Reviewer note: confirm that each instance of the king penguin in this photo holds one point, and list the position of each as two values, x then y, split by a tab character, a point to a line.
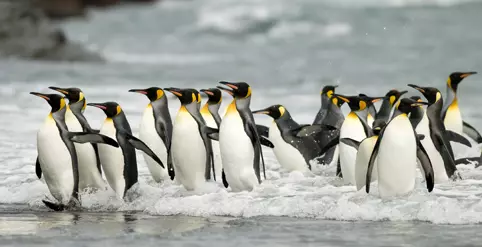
365	149
210	113
155	131
437	138
451	112
57	157
294	148
326	94
391	98
120	164
192	156
395	153
239	141
90	172
417	114
354	127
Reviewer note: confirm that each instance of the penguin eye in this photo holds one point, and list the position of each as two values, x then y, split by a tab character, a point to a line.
160	93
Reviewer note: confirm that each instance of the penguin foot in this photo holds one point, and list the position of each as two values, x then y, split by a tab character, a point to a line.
53	206
456	176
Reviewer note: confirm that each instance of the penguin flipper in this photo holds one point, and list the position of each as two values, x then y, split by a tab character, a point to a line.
38	169
455	137
447	155
426	166
84	137
212	133
333	142
472	132
420	136
262	130
170	167
338	168
97	157
350	142
140	145
53	206
225	182
371	163
265	142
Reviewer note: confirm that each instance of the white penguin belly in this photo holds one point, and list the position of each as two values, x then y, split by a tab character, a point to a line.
55	161
288	156
237	152
351	128
440	174
89	175
112	160
453	119
218	165
361	163
148	134
188	151
397	158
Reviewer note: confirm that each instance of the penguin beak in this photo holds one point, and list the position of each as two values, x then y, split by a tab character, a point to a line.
344	98
262	111
41	95
141	91
419	103
376	99
175	91
231	92
229	84
98	105
468	74
60	90
403	92
207	92
420	89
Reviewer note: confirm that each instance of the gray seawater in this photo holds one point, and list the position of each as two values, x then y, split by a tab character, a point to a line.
287	50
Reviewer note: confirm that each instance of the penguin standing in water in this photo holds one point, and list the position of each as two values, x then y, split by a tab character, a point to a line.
239	141
90	172
191	149
365	149
451	115
156	132
210	113
354	127
395	153
294	147
57	157
387	104
326	94
120	164
437	138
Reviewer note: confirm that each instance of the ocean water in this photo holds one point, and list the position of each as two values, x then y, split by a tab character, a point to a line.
287	50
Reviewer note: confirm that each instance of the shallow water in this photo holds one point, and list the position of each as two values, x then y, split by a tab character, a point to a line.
287	50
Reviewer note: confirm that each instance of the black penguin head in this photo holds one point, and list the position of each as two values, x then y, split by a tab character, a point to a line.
73	94
406	105
431	94
456	77
393	95
185	95
354	102
153	93
274	111
56	101
378	126
239	90
328	90
214	95
337	101
111	109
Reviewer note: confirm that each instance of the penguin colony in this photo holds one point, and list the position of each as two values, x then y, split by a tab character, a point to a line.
198	145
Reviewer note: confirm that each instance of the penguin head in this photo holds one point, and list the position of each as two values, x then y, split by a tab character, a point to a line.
274	111
354	102
406	105
239	90
185	95
431	94
73	94
456	77
111	109
370	100
153	93
328	90
214	95
337	101
393	95
378	125
56	101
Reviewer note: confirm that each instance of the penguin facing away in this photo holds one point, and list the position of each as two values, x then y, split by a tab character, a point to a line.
326	94
155	131
120	164
396	151
391	98
438	137
294	147
239	141
191	150
57	157
451	115
90	172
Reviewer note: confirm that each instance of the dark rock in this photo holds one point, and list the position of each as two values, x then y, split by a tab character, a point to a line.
26	32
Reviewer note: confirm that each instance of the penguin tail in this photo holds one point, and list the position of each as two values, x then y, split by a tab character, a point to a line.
53	206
